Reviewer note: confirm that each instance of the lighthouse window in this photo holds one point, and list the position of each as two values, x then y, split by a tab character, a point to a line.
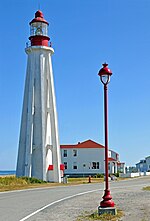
32	30
38	31
39	28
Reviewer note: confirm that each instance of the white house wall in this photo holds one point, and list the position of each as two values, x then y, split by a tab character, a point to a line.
83	160
113	155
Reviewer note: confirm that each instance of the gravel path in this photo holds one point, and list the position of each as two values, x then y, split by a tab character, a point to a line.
134	202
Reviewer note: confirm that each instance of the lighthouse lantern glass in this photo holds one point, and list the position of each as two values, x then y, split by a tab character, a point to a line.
39	28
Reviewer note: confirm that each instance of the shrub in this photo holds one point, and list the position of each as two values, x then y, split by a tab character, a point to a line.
32	180
117	174
99	175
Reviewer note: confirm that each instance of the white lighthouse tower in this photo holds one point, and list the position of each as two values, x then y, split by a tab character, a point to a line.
39	149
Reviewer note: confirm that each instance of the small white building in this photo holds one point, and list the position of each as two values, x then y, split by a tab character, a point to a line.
114	164
87	158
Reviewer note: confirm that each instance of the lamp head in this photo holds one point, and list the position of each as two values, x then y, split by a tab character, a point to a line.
105	74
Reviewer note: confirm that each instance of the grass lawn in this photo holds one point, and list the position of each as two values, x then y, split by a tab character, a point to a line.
13	183
146	188
94	216
8	183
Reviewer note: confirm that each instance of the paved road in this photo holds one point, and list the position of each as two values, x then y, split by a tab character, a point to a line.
38	203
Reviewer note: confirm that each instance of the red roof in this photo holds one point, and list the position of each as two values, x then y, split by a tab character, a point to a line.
39	18
85	144
119	163
111	159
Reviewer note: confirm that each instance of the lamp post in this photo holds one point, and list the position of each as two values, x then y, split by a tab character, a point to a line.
105	74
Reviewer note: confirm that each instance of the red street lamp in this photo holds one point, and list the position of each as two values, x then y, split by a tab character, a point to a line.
105	74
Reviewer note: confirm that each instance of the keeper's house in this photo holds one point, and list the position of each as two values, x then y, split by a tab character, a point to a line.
87	158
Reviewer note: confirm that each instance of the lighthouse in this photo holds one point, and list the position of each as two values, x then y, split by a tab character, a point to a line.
39	149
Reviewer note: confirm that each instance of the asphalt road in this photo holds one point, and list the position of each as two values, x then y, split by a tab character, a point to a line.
36	204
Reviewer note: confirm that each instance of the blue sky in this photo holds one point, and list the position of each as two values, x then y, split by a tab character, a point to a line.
85	33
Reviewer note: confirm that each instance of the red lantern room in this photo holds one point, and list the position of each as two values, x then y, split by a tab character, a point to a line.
39	30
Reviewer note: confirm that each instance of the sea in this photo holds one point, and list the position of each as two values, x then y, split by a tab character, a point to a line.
7	172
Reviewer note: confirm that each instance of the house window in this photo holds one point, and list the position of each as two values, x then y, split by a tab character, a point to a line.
108	166
75	166
74	153
117	156
65	153
95	165
65	163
